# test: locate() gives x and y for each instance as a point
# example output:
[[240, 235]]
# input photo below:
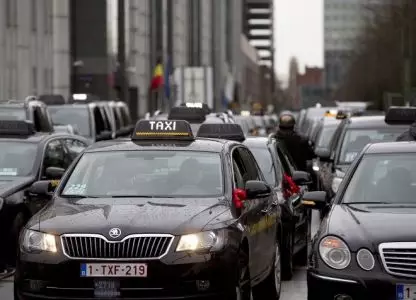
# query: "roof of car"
[[368, 122], [256, 141], [392, 147], [34, 138], [199, 144]]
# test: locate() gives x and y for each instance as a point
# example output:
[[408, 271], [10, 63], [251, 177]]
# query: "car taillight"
[[239, 195]]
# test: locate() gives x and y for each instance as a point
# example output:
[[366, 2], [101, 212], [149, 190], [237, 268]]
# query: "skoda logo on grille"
[[115, 232]]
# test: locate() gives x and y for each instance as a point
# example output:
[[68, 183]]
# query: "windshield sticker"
[[76, 189], [8, 172], [351, 156]]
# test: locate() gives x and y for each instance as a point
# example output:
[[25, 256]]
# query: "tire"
[[287, 259], [18, 224], [243, 288], [271, 287]]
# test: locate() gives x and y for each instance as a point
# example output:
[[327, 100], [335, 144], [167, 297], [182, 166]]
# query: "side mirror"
[[43, 187], [53, 173], [315, 200], [323, 154], [302, 178], [257, 189]]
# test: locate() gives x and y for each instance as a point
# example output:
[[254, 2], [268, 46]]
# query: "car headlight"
[[35, 241], [207, 240], [336, 182], [334, 252], [365, 259], [315, 166]]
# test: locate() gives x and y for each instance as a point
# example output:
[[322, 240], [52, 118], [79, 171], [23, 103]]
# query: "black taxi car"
[[365, 247], [296, 218], [27, 156], [160, 216]]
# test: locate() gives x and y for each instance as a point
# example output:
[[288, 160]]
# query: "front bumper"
[[358, 285], [175, 276]]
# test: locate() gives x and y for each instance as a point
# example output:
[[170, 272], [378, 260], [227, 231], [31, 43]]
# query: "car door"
[[300, 212], [266, 213], [250, 213]]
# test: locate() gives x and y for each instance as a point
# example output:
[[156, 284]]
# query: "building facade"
[[343, 22], [34, 48]]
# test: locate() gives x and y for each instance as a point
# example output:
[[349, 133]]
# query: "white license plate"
[[406, 292], [113, 270]]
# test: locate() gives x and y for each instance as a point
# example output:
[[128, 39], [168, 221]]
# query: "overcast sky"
[[299, 33]]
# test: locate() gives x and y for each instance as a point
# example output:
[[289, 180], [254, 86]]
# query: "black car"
[[365, 247], [296, 219], [161, 216], [350, 137], [26, 157], [30, 109]]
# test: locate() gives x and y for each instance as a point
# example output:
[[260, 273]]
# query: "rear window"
[[13, 114], [325, 137], [78, 117], [356, 139]]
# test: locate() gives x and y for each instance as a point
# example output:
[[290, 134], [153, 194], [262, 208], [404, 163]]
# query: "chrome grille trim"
[[399, 258], [132, 247]]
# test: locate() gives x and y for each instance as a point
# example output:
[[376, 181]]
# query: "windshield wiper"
[[130, 196], [78, 196]]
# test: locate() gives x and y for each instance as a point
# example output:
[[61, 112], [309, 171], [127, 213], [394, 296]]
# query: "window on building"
[[11, 13], [34, 15], [47, 11]]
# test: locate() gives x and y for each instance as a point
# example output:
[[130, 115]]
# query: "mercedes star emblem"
[[115, 232]]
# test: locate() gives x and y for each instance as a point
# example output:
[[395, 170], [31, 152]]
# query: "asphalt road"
[[291, 290]]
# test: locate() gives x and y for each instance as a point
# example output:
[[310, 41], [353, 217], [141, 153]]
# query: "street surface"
[[291, 290]]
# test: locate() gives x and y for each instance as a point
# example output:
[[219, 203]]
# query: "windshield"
[[356, 139], [76, 116], [17, 158], [386, 178], [265, 161], [12, 114], [325, 137], [147, 174]]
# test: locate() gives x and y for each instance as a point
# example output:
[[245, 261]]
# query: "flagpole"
[[121, 24]]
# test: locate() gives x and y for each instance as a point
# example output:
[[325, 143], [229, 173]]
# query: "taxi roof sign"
[[226, 131], [190, 114], [399, 115], [162, 130], [12, 127]]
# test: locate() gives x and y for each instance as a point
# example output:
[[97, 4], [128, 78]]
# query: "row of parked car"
[[85, 116]]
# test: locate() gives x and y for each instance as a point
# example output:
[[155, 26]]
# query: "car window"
[[356, 139], [265, 160], [252, 171], [186, 174], [325, 137], [77, 117], [54, 156], [17, 158], [388, 178]]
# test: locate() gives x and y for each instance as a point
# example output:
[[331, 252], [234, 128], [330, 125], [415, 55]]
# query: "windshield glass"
[[356, 139], [147, 174], [76, 116], [12, 114], [17, 158], [265, 161], [387, 178], [325, 137]]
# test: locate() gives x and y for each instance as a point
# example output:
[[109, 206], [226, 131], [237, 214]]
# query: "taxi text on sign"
[[166, 126]]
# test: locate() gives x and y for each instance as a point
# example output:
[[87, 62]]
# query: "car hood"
[[132, 216], [369, 225]]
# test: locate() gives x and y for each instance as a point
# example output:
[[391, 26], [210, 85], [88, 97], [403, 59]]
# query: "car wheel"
[[287, 258], [271, 287], [243, 289]]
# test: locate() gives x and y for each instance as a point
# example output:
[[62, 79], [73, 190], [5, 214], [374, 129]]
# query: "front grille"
[[82, 246], [399, 258]]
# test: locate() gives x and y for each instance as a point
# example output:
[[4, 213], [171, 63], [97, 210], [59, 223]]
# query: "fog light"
[[342, 297], [202, 285]]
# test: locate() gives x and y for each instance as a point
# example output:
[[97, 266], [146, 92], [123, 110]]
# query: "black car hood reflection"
[[369, 225], [133, 216]]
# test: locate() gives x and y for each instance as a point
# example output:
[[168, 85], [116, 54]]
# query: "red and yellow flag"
[[157, 80]]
